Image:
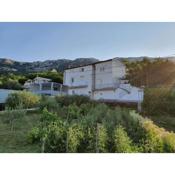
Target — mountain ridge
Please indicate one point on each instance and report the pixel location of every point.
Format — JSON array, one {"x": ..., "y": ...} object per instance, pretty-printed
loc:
[{"x": 10, "y": 65}]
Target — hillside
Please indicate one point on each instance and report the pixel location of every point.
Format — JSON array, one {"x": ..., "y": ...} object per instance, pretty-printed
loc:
[{"x": 9, "y": 65}]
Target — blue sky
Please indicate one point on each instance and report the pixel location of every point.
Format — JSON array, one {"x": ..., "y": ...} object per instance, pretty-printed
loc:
[{"x": 41, "y": 41}]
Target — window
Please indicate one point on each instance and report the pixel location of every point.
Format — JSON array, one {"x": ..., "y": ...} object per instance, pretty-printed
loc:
[
  {"x": 82, "y": 76},
  {"x": 82, "y": 69},
  {"x": 73, "y": 92},
  {"x": 72, "y": 80}
]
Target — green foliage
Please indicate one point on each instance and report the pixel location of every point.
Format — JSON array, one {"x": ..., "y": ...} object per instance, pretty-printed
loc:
[
  {"x": 151, "y": 73},
  {"x": 55, "y": 134},
  {"x": 159, "y": 101},
  {"x": 26, "y": 99},
  {"x": 49, "y": 103},
  {"x": 73, "y": 112},
  {"x": 54, "y": 76},
  {"x": 33, "y": 135},
  {"x": 90, "y": 127},
  {"x": 123, "y": 143},
  {"x": 11, "y": 116},
  {"x": 11, "y": 81},
  {"x": 153, "y": 141},
  {"x": 102, "y": 139},
  {"x": 169, "y": 142},
  {"x": 74, "y": 136},
  {"x": 76, "y": 99}
]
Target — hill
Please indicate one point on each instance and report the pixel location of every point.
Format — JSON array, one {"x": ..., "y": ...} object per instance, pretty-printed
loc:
[{"x": 9, "y": 65}]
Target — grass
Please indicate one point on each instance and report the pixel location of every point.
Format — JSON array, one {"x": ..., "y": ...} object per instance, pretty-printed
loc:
[{"x": 15, "y": 141}]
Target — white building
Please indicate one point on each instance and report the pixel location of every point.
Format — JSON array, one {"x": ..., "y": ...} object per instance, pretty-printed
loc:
[
  {"x": 103, "y": 80},
  {"x": 45, "y": 86}
]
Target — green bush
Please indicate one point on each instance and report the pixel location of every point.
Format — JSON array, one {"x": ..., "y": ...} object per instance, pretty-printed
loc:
[
  {"x": 49, "y": 103},
  {"x": 74, "y": 136},
  {"x": 99, "y": 128},
  {"x": 123, "y": 144},
  {"x": 102, "y": 139},
  {"x": 76, "y": 99},
  {"x": 33, "y": 135},
  {"x": 169, "y": 142},
  {"x": 153, "y": 142},
  {"x": 26, "y": 99}
]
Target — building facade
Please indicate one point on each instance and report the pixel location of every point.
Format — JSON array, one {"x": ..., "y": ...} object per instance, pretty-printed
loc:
[{"x": 103, "y": 80}]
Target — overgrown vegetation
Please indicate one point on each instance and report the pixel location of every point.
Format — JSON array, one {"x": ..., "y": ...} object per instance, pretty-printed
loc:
[
  {"x": 101, "y": 128},
  {"x": 157, "y": 76},
  {"x": 23, "y": 98}
]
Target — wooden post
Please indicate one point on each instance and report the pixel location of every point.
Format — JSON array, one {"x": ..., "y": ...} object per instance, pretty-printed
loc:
[
  {"x": 97, "y": 135},
  {"x": 67, "y": 143},
  {"x": 43, "y": 144}
]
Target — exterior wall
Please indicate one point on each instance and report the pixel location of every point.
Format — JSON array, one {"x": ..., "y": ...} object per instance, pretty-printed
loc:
[
  {"x": 135, "y": 95},
  {"x": 108, "y": 74},
  {"x": 103, "y": 75},
  {"x": 79, "y": 80},
  {"x": 118, "y": 71}
]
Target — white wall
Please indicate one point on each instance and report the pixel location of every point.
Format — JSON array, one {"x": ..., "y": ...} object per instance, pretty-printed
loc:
[
  {"x": 135, "y": 95},
  {"x": 118, "y": 70},
  {"x": 103, "y": 75},
  {"x": 81, "y": 78}
]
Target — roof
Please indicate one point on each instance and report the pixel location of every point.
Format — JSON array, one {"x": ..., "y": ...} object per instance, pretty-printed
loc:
[
  {"x": 41, "y": 78},
  {"x": 89, "y": 64}
]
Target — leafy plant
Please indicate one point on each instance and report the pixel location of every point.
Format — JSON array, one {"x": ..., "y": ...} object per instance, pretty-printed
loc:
[{"x": 24, "y": 98}]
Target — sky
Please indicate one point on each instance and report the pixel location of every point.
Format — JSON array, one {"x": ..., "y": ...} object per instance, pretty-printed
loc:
[{"x": 43, "y": 41}]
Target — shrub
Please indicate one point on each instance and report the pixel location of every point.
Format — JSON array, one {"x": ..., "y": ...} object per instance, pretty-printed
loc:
[
  {"x": 56, "y": 136},
  {"x": 49, "y": 103},
  {"x": 26, "y": 99},
  {"x": 34, "y": 135},
  {"x": 74, "y": 137},
  {"x": 68, "y": 100},
  {"x": 169, "y": 142},
  {"x": 102, "y": 139},
  {"x": 73, "y": 112},
  {"x": 153, "y": 142},
  {"x": 123, "y": 143}
]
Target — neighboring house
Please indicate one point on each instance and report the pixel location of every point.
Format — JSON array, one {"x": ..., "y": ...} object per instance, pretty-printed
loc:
[
  {"x": 45, "y": 86},
  {"x": 103, "y": 80}
]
